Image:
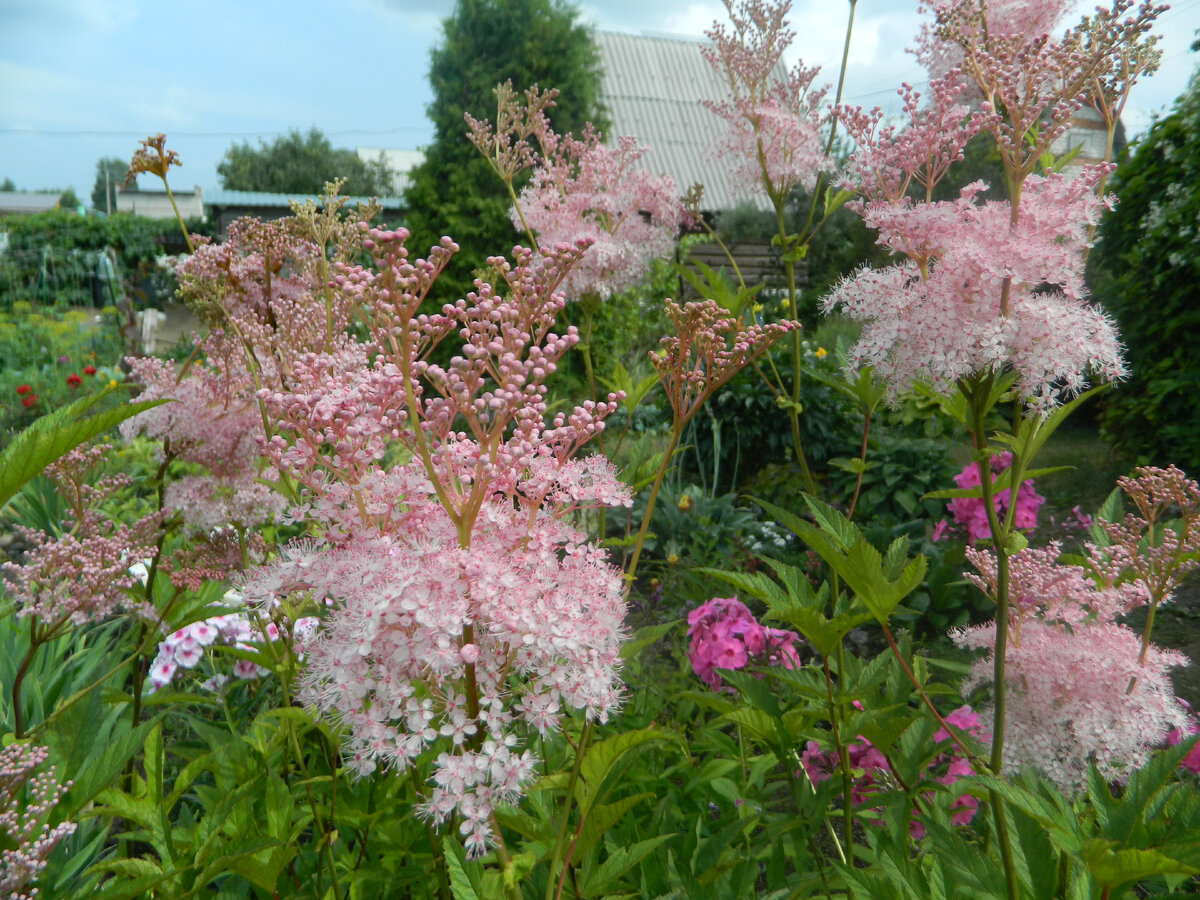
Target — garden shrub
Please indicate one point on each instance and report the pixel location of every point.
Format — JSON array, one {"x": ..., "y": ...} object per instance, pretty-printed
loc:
[{"x": 1146, "y": 267}]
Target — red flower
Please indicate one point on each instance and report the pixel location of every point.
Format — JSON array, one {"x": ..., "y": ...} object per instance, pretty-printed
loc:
[
  {"x": 73, "y": 380},
  {"x": 23, "y": 389},
  {"x": 89, "y": 370},
  {"x": 29, "y": 401}
]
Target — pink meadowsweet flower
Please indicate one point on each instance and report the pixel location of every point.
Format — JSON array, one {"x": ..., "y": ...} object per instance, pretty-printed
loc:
[
  {"x": 583, "y": 190},
  {"x": 464, "y": 608},
  {"x": 1079, "y": 689},
  {"x": 773, "y": 140},
  {"x": 83, "y": 574}
]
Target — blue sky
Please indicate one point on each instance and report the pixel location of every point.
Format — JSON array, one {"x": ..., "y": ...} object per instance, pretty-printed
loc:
[{"x": 82, "y": 79}]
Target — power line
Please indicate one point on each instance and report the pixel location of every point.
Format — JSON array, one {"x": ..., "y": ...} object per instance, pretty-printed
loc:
[{"x": 46, "y": 132}]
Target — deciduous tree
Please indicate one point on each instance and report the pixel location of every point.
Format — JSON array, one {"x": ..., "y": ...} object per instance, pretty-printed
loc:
[{"x": 301, "y": 164}]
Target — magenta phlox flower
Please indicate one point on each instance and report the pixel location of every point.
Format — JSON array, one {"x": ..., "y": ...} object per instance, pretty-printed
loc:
[
  {"x": 971, "y": 513},
  {"x": 583, "y": 190},
  {"x": 1080, "y": 691},
  {"x": 1191, "y": 761},
  {"x": 723, "y": 634}
]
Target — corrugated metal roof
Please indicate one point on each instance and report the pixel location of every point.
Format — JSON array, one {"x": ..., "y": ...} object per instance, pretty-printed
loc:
[
  {"x": 222, "y": 197},
  {"x": 27, "y": 202},
  {"x": 653, "y": 88}
]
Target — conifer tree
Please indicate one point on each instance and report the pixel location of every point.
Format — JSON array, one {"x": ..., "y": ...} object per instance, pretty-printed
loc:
[{"x": 484, "y": 43}]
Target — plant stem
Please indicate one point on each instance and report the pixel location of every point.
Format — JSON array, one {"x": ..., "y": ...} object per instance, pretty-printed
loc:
[
  {"x": 977, "y": 398},
  {"x": 558, "y": 858},
  {"x": 631, "y": 571}
]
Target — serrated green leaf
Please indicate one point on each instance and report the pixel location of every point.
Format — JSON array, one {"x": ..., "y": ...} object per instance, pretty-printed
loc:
[
  {"x": 644, "y": 637},
  {"x": 460, "y": 884},
  {"x": 1111, "y": 867},
  {"x": 56, "y": 434},
  {"x": 601, "y": 757}
]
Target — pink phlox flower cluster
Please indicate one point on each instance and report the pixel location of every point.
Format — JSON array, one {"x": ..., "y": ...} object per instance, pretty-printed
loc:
[
  {"x": 971, "y": 513},
  {"x": 185, "y": 647},
  {"x": 773, "y": 142},
  {"x": 973, "y": 296},
  {"x": 887, "y": 160},
  {"x": 872, "y": 772},
  {"x": 584, "y": 190},
  {"x": 708, "y": 348},
  {"x": 26, "y": 799},
  {"x": 1191, "y": 760},
  {"x": 1077, "y": 693},
  {"x": 724, "y": 634}
]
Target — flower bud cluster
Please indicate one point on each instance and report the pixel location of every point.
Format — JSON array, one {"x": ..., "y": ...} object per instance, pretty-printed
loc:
[{"x": 26, "y": 800}]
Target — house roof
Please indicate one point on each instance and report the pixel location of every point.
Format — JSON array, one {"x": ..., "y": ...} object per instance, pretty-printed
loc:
[
  {"x": 653, "y": 88},
  {"x": 252, "y": 199},
  {"x": 27, "y": 202}
]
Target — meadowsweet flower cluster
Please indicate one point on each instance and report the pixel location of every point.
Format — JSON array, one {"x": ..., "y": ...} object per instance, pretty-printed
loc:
[
  {"x": 1081, "y": 688},
  {"x": 81, "y": 575},
  {"x": 26, "y": 798},
  {"x": 467, "y": 609},
  {"x": 584, "y": 190},
  {"x": 971, "y": 512},
  {"x": 1159, "y": 544},
  {"x": 723, "y": 634},
  {"x": 708, "y": 348},
  {"x": 987, "y": 287},
  {"x": 773, "y": 125}
]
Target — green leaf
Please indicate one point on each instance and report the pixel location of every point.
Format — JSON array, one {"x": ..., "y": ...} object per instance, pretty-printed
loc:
[
  {"x": 602, "y": 757},
  {"x": 602, "y": 817},
  {"x": 56, "y": 434},
  {"x": 461, "y": 885},
  {"x": 645, "y": 636},
  {"x": 619, "y": 861},
  {"x": 1112, "y": 867}
]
